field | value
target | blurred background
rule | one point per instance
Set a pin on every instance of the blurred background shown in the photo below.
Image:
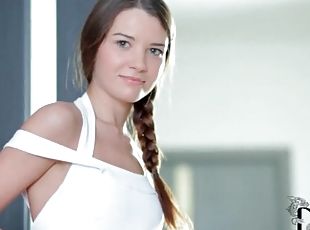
(233, 121)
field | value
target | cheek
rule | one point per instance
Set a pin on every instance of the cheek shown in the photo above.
(103, 62)
(156, 68)
(107, 60)
(155, 73)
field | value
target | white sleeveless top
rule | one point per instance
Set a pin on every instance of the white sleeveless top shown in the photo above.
(94, 195)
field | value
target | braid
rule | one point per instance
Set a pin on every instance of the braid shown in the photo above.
(143, 121)
(144, 124)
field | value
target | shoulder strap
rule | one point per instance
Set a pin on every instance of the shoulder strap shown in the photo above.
(39, 146)
(87, 136)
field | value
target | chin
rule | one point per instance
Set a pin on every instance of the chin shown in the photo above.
(140, 96)
(132, 98)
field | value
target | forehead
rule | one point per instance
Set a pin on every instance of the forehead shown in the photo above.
(139, 24)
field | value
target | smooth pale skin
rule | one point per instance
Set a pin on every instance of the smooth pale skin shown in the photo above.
(127, 51)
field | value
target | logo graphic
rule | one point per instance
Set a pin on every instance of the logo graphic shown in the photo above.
(295, 209)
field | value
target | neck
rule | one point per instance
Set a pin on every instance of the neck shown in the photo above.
(108, 110)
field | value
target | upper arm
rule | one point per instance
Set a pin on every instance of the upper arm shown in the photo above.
(58, 122)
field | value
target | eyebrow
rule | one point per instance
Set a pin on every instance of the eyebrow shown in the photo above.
(132, 38)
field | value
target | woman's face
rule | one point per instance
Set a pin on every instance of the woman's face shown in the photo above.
(131, 57)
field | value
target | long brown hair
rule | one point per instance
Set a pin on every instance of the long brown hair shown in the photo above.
(94, 31)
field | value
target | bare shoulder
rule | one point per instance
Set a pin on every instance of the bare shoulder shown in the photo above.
(60, 122)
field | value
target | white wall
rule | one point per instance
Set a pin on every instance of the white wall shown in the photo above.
(242, 79)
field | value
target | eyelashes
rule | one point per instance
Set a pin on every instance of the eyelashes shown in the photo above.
(156, 52)
(125, 45)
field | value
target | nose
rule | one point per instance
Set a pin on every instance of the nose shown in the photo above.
(138, 61)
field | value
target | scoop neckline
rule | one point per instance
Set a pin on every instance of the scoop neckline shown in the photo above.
(120, 169)
(92, 122)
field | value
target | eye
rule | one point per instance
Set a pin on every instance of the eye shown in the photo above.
(156, 52)
(122, 43)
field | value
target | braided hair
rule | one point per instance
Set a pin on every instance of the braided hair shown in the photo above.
(94, 31)
(142, 119)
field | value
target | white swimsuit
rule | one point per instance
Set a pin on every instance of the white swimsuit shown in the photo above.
(94, 195)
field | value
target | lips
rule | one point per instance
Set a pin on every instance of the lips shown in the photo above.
(133, 80)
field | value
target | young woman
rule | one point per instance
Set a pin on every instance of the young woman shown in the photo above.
(76, 163)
